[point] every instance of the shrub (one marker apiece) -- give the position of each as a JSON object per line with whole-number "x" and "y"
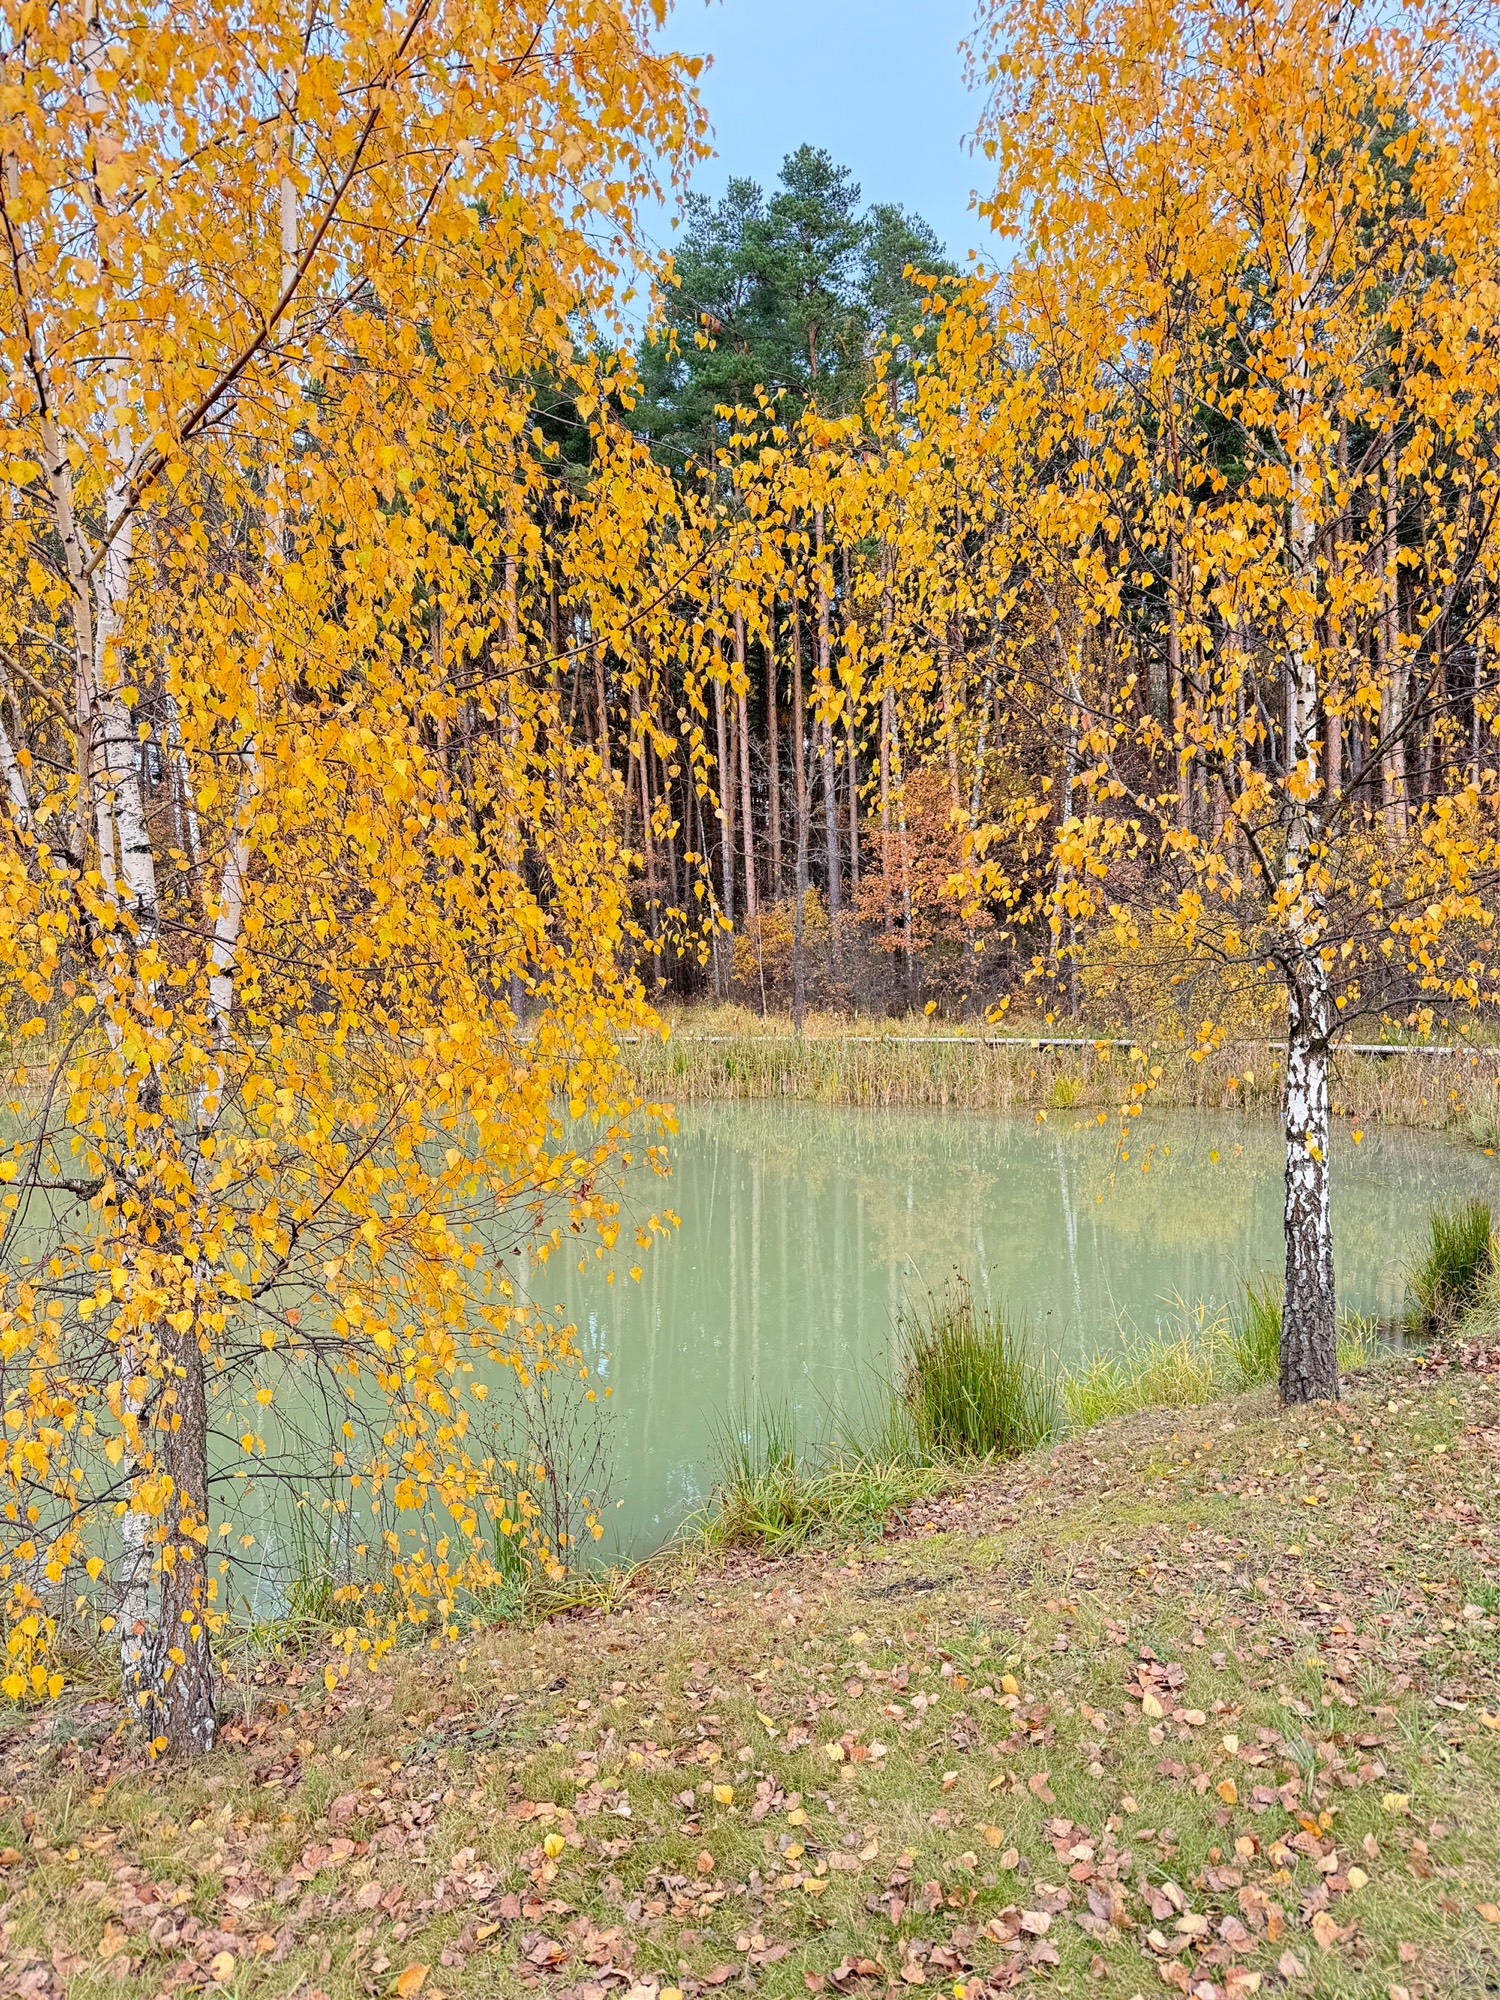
{"x": 1447, "y": 1277}
{"x": 971, "y": 1383}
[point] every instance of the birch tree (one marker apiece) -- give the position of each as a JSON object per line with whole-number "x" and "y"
{"x": 276, "y": 284}
{"x": 1256, "y": 258}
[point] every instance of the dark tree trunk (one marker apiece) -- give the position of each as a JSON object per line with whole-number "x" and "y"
{"x": 824, "y": 698}
{"x": 800, "y": 762}
{"x": 187, "y": 1715}
{"x": 725, "y": 776}
{"x": 773, "y": 752}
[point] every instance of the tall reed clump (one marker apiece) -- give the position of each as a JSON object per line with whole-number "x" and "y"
{"x": 1446, "y": 1278}
{"x": 971, "y": 1383}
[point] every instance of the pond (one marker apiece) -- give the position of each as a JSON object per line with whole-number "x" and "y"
{"x": 805, "y": 1228}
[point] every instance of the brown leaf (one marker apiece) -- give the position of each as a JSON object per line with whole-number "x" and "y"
{"x": 1325, "y": 1929}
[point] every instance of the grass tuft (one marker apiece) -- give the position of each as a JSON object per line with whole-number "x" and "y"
{"x": 1446, "y": 1279}
{"x": 773, "y": 1494}
{"x": 1149, "y": 1372}
{"x": 1255, "y": 1336}
{"x": 971, "y": 1382}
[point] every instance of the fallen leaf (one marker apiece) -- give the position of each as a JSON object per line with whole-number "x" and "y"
{"x": 1489, "y": 1911}
{"x": 1151, "y": 1707}
{"x": 412, "y": 1981}
{"x": 1228, "y": 1791}
{"x": 221, "y": 1967}
{"x": 1290, "y": 1966}
{"x": 1325, "y": 1929}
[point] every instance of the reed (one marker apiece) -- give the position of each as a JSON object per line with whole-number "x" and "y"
{"x": 726, "y": 1052}
{"x": 772, "y": 1493}
{"x": 1255, "y": 1335}
{"x": 1446, "y": 1278}
{"x": 972, "y": 1384}
{"x": 1163, "y": 1371}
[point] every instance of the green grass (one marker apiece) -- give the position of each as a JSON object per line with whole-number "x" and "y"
{"x": 971, "y": 1382}
{"x": 971, "y": 1388}
{"x": 739, "y": 1777}
{"x": 774, "y": 1493}
{"x": 1446, "y": 1279}
{"x": 1255, "y": 1337}
{"x": 1215, "y": 1354}
{"x": 1148, "y": 1372}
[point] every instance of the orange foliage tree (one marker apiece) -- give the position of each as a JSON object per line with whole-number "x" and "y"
{"x": 1256, "y": 273}
{"x": 295, "y": 824}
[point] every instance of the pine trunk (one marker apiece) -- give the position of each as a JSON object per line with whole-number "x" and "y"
{"x": 800, "y": 770}
{"x": 824, "y": 699}
{"x": 726, "y": 802}
{"x": 747, "y": 807}
{"x": 773, "y": 752}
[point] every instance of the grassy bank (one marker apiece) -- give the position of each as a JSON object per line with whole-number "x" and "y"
{"x": 974, "y": 1388}
{"x": 1200, "y": 1700}
{"x": 730, "y": 1052}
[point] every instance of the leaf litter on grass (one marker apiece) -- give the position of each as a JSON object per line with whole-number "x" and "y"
{"x": 1209, "y": 1705}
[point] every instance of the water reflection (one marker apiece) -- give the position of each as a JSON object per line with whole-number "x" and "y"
{"x": 804, "y": 1228}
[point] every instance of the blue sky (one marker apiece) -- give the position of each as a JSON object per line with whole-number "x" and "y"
{"x": 879, "y": 83}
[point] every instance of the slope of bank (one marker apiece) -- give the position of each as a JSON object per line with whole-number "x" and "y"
{"x": 1204, "y": 1700}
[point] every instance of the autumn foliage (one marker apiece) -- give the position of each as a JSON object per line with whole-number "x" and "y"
{"x": 387, "y": 719}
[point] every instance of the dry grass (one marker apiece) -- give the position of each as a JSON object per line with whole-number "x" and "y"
{"x": 731, "y": 1052}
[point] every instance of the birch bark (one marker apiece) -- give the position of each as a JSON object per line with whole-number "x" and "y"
{"x": 1309, "y": 1327}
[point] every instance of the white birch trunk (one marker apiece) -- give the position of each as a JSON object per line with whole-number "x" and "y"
{"x": 15, "y": 781}
{"x": 1309, "y": 1324}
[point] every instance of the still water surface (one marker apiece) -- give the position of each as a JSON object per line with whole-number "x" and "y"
{"x": 805, "y": 1228}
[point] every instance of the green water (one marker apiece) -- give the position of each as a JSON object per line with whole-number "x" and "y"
{"x": 804, "y": 1228}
